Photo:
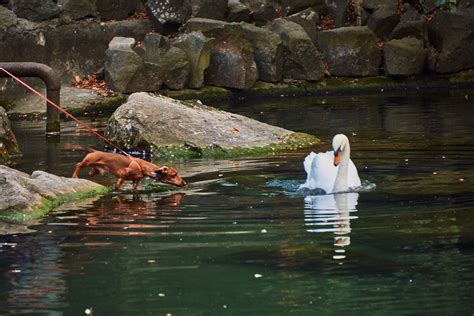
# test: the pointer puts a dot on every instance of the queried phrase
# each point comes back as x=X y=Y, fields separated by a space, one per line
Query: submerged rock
x=26 y=197
x=165 y=124
x=8 y=144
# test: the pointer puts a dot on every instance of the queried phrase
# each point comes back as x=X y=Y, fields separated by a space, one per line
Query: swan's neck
x=340 y=185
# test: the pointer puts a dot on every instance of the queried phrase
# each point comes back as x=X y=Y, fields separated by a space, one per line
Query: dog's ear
x=162 y=170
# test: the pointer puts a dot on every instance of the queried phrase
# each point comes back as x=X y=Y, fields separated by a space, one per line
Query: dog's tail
x=78 y=148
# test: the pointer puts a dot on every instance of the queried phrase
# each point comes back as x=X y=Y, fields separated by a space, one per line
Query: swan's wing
x=307 y=163
x=323 y=173
x=353 y=179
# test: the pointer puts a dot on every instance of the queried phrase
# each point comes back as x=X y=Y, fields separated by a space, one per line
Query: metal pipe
x=53 y=88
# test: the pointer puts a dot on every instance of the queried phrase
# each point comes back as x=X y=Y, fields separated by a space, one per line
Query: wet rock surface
x=23 y=193
x=8 y=143
x=161 y=122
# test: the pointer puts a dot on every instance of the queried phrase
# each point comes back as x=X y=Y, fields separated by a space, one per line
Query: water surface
x=239 y=240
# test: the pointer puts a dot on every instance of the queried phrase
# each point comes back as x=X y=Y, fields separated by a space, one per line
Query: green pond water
x=239 y=239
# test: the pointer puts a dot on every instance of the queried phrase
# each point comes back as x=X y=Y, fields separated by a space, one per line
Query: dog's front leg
x=119 y=183
x=77 y=169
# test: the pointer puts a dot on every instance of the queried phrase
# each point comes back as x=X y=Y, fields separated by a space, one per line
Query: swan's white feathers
x=321 y=172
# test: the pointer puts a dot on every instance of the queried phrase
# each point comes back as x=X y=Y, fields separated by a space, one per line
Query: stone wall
x=236 y=43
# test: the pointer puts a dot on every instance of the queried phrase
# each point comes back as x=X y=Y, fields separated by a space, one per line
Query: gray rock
x=293 y=6
x=122 y=42
x=175 y=68
x=121 y=65
x=177 y=12
x=263 y=11
x=374 y=4
x=302 y=59
x=35 y=10
x=232 y=64
x=404 y=57
x=350 y=51
x=8 y=143
x=23 y=193
x=214 y=9
x=238 y=12
x=209 y=27
x=117 y=9
x=411 y=24
x=77 y=9
x=339 y=11
x=309 y=20
x=452 y=34
x=72 y=99
x=383 y=20
x=168 y=64
x=7 y=18
x=268 y=52
x=428 y=6
x=163 y=122
x=197 y=48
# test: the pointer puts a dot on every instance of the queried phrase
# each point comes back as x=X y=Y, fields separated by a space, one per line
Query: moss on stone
x=291 y=142
x=48 y=204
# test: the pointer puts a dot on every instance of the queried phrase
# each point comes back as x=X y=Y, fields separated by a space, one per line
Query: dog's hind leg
x=119 y=183
x=78 y=168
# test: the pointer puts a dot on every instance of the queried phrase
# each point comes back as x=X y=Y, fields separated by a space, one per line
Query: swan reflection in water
x=332 y=213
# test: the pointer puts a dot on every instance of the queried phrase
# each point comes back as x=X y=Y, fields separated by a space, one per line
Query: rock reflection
x=332 y=213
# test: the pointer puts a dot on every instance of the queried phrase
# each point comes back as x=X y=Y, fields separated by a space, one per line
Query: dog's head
x=169 y=175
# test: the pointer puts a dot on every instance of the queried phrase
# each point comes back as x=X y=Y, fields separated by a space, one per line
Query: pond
x=239 y=239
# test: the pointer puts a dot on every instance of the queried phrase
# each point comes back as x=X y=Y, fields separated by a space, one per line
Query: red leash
x=84 y=125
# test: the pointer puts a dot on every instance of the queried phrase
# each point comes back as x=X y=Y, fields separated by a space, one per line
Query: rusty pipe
x=53 y=88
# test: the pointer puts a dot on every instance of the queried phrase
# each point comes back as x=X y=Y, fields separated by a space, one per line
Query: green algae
x=48 y=204
x=291 y=142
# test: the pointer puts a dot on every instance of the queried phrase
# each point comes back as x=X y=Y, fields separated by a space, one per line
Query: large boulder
x=169 y=15
x=8 y=144
x=22 y=194
x=121 y=65
x=339 y=10
x=452 y=35
x=7 y=18
x=166 y=124
x=268 y=52
x=197 y=49
x=374 y=4
x=404 y=57
x=238 y=12
x=232 y=63
x=292 y=6
x=35 y=10
x=117 y=9
x=79 y=8
x=263 y=11
x=302 y=58
x=411 y=24
x=383 y=20
x=309 y=20
x=350 y=51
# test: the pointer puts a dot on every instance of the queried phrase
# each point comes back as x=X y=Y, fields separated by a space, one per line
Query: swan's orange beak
x=337 y=158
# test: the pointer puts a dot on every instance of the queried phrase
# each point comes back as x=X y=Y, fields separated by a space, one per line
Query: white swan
x=332 y=171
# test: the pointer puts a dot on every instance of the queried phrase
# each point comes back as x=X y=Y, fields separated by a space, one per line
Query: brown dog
x=125 y=168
